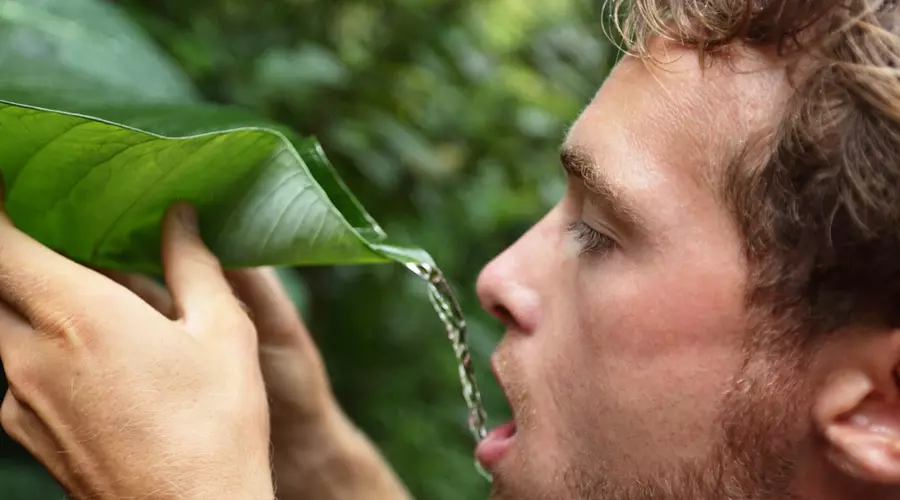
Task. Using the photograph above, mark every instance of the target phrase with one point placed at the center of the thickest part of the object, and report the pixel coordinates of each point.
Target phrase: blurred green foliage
(444, 118)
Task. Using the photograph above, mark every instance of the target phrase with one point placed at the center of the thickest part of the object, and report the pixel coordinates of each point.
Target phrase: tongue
(495, 445)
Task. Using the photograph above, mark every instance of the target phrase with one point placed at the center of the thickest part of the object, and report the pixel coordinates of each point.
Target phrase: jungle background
(444, 117)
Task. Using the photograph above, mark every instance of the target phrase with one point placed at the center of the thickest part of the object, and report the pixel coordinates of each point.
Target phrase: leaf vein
(50, 142)
(103, 163)
(156, 185)
(287, 207)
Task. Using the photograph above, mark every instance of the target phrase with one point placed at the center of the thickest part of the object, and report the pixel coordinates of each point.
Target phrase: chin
(507, 487)
(515, 480)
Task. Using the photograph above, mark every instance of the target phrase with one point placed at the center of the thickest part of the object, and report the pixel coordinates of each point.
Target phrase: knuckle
(239, 320)
(71, 328)
(237, 325)
(11, 416)
(20, 373)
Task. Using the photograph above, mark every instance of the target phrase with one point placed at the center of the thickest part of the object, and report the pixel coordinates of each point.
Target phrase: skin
(181, 373)
(119, 401)
(318, 453)
(632, 368)
(629, 368)
(601, 356)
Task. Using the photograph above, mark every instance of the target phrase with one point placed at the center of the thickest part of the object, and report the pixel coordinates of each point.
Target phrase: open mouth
(498, 442)
(496, 445)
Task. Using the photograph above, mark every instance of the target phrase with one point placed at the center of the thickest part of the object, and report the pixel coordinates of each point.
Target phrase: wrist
(309, 431)
(244, 485)
(249, 480)
(331, 459)
(312, 444)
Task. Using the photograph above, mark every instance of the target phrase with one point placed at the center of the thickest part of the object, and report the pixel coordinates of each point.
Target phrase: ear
(857, 410)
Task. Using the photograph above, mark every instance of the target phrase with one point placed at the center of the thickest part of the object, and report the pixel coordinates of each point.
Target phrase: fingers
(25, 427)
(18, 421)
(150, 291)
(292, 367)
(270, 306)
(200, 292)
(35, 280)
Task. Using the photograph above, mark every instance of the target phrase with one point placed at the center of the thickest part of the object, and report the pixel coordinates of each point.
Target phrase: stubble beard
(762, 435)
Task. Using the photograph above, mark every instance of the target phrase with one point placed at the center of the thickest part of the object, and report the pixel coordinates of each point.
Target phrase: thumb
(200, 292)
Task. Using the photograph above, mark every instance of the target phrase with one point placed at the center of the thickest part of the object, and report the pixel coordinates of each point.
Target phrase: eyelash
(591, 240)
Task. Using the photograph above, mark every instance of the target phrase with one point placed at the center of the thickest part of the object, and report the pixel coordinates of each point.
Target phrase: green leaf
(92, 181)
(96, 191)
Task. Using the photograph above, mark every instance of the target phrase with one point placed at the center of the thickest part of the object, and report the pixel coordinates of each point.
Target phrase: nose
(508, 290)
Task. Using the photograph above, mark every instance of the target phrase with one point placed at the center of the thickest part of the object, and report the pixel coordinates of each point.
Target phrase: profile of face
(626, 358)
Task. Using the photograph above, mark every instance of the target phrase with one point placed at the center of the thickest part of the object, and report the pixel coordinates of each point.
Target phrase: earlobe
(859, 417)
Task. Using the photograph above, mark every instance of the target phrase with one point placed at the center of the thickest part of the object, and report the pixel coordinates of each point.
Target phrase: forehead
(676, 118)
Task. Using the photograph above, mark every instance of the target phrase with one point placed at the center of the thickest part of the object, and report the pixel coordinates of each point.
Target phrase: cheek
(683, 298)
(639, 356)
(645, 313)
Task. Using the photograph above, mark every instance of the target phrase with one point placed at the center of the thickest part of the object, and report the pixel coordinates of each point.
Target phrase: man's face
(624, 359)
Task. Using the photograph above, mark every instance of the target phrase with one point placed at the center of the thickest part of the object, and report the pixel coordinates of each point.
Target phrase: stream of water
(447, 308)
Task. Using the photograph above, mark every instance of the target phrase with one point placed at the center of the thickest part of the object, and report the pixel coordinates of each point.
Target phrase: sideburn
(765, 424)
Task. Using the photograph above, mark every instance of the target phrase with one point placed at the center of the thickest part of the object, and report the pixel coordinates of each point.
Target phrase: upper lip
(495, 369)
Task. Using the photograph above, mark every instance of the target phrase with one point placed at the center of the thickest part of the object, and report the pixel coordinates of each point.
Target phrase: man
(710, 311)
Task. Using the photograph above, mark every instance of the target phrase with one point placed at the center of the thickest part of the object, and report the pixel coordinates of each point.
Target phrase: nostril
(503, 314)
(505, 292)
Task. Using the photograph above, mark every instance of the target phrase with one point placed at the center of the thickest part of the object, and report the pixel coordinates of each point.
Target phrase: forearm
(336, 463)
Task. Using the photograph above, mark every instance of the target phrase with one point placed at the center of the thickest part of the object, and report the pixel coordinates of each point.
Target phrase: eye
(590, 240)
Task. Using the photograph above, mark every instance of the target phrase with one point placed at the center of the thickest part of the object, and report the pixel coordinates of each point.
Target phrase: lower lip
(496, 445)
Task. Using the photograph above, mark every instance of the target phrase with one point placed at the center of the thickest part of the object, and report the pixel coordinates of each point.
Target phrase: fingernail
(188, 216)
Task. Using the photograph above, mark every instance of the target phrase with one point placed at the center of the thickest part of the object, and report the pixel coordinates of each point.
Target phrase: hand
(119, 401)
(318, 453)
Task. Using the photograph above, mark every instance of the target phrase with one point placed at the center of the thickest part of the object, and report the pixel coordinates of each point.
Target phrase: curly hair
(820, 213)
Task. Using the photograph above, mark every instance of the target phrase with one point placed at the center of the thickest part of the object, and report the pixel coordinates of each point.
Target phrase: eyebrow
(578, 163)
